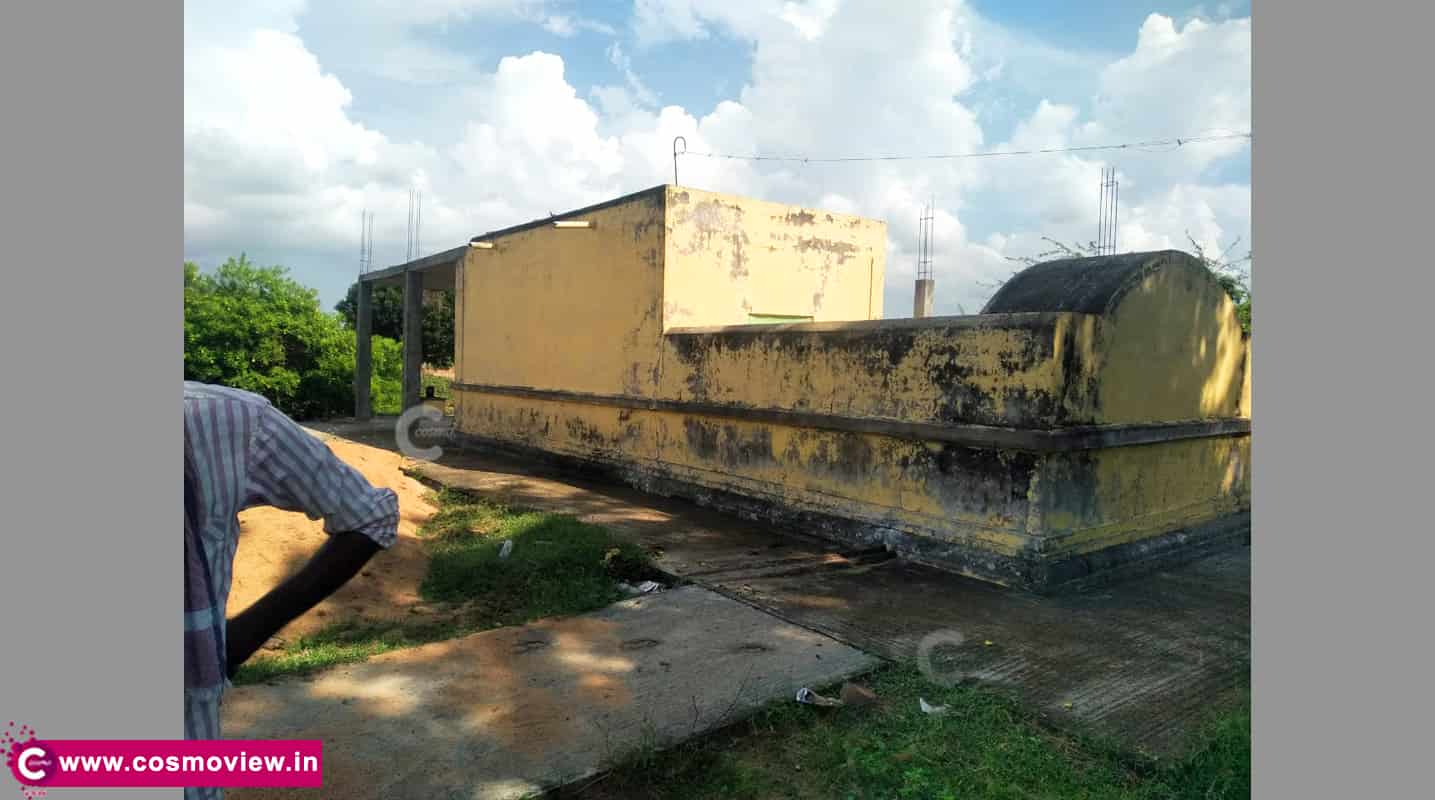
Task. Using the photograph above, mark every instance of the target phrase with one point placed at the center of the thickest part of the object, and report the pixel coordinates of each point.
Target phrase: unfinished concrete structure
(922, 296)
(1094, 415)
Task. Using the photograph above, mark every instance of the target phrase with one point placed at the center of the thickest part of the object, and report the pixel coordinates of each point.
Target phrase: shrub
(257, 329)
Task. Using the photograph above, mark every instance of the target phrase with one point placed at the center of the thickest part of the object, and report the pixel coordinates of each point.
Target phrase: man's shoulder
(196, 393)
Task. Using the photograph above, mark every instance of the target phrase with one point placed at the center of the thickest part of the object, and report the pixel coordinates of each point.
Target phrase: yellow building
(729, 350)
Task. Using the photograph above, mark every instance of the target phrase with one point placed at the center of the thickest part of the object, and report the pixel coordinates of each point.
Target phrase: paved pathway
(509, 712)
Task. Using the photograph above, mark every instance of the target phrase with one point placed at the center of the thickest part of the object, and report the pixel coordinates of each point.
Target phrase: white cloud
(640, 93)
(567, 26)
(1194, 80)
(657, 21)
(1176, 82)
(274, 154)
(402, 40)
(414, 13)
(533, 140)
(1215, 216)
(272, 159)
(560, 25)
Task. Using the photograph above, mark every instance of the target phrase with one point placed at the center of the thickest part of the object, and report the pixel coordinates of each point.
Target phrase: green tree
(255, 328)
(387, 310)
(1234, 274)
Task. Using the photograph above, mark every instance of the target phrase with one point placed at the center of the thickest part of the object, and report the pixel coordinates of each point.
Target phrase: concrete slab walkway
(1140, 661)
(510, 712)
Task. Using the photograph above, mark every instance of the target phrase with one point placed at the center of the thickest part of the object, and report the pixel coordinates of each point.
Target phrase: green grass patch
(986, 746)
(345, 643)
(1220, 764)
(558, 566)
(442, 387)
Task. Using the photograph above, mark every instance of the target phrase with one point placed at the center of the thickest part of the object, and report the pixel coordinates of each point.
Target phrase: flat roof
(538, 223)
(439, 268)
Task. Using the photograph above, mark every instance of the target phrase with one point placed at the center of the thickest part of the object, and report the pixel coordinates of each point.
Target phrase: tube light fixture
(573, 223)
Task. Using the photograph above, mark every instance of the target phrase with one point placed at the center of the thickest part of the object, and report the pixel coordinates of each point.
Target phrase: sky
(299, 116)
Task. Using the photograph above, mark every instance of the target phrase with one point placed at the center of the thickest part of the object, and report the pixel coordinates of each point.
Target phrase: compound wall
(1095, 415)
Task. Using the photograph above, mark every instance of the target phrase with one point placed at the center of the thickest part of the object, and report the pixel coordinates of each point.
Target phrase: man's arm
(339, 560)
(293, 470)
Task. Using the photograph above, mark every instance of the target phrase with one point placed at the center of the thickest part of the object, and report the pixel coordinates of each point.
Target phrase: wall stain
(725, 443)
(968, 480)
(739, 261)
(843, 250)
(641, 229)
(1069, 485)
(580, 431)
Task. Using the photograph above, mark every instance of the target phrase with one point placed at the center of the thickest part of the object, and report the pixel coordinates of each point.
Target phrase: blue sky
(301, 114)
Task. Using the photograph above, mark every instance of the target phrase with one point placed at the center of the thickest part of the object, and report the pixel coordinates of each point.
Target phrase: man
(239, 451)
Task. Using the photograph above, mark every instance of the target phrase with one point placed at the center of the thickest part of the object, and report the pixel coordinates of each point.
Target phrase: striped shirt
(239, 451)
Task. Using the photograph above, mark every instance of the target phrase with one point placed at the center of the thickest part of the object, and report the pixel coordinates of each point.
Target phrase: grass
(390, 403)
(986, 746)
(1221, 765)
(442, 387)
(346, 643)
(558, 566)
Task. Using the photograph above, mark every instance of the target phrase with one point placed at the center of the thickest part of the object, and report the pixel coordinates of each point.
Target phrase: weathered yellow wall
(999, 369)
(571, 309)
(1088, 500)
(1172, 349)
(651, 304)
(583, 310)
(727, 257)
(1246, 383)
(1010, 504)
(968, 497)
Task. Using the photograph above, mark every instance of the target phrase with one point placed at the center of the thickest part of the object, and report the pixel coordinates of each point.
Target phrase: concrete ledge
(1029, 572)
(1051, 440)
(1125, 561)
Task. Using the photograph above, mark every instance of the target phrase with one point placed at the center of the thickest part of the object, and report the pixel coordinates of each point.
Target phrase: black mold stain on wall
(1078, 394)
(589, 436)
(1069, 485)
(843, 455)
(726, 444)
(972, 480)
(882, 351)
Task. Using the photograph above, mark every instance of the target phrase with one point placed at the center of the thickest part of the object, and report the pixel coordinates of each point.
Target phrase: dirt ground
(275, 544)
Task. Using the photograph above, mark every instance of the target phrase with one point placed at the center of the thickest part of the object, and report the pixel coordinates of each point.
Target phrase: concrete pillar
(413, 337)
(363, 354)
(922, 301)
